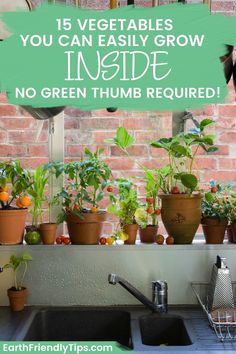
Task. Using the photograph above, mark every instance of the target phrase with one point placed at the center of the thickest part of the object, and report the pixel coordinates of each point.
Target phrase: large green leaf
(205, 123)
(123, 138)
(189, 181)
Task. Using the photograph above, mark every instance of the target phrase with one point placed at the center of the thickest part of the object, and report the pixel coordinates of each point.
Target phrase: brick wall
(27, 139)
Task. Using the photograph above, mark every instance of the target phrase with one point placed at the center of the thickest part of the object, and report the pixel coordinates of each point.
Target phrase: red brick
(33, 162)
(72, 123)
(107, 229)
(142, 123)
(16, 123)
(229, 137)
(104, 113)
(222, 6)
(226, 123)
(99, 123)
(155, 152)
(205, 111)
(100, 136)
(221, 176)
(208, 163)
(3, 136)
(3, 97)
(136, 150)
(37, 150)
(21, 136)
(227, 110)
(7, 110)
(12, 150)
(227, 164)
(120, 164)
(153, 163)
(146, 136)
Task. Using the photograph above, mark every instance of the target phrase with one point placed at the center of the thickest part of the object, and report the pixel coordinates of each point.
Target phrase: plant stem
(15, 279)
(23, 276)
(193, 159)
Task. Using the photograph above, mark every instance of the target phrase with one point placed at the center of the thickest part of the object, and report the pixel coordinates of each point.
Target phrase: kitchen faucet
(159, 293)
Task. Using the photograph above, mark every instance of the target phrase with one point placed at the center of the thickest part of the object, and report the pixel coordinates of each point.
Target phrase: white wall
(77, 275)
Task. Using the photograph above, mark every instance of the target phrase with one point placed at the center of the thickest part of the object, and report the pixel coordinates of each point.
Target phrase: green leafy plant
(37, 192)
(124, 202)
(15, 263)
(217, 202)
(15, 178)
(181, 151)
(85, 183)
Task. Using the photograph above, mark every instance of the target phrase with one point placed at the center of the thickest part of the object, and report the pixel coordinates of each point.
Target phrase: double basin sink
(78, 324)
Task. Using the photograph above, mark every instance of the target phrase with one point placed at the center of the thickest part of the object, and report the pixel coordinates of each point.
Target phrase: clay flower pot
(231, 232)
(87, 229)
(181, 215)
(17, 298)
(148, 234)
(214, 230)
(131, 231)
(12, 224)
(48, 233)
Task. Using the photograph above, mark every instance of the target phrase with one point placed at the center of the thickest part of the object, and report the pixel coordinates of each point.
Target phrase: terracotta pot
(214, 230)
(85, 230)
(17, 299)
(48, 233)
(131, 231)
(231, 232)
(148, 234)
(12, 224)
(181, 215)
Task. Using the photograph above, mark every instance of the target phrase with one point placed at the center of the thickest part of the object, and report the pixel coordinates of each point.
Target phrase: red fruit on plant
(150, 210)
(59, 240)
(157, 211)
(76, 206)
(103, 240)
(160, 239)
(149, 200)
(175, 190)
(66, 241)
(214, 189)
(170, 240)
(109, 189)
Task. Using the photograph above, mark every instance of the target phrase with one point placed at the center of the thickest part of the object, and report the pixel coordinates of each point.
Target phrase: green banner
(162, 58)
(61, 347)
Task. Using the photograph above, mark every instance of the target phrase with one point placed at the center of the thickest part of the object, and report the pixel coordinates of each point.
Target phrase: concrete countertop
(203, 337)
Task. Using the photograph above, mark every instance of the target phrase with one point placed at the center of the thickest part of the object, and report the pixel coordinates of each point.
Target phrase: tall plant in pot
(18, 293)
(14, 201)
(216, 211)
(81, 196)
(181, 199)
(147, 215)
(124, 204)
(37, 190)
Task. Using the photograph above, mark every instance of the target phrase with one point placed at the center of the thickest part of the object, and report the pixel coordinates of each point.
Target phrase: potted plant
(147, 216)
(216, 211)
(181, 199)
(124, 205)
(47, 231)
(14, 182)
(81, 196)
(18, 293)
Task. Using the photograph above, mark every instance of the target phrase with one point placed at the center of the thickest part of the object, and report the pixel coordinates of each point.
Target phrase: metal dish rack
(225, 325)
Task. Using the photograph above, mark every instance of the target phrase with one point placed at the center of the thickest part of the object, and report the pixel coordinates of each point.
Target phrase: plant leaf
(189, 181)
(205, 123)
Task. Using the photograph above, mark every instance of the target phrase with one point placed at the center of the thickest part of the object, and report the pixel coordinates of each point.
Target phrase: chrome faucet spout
(152, 305)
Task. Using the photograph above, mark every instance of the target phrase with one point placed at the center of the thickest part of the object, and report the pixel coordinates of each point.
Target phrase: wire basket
(222, 320)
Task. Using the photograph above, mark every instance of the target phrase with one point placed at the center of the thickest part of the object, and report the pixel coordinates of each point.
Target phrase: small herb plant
(85, 183)
(15, 263)
(125, 202)
(217, 202)
(14, 177)
(37, 192)
(177, 176)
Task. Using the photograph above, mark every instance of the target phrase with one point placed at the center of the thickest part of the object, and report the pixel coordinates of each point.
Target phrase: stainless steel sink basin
(158, 330)
(71, 324)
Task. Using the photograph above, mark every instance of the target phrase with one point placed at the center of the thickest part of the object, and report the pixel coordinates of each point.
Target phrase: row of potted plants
(173, 192)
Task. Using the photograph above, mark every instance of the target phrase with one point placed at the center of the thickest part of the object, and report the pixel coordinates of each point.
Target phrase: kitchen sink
(71, 324)
(166, 330)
